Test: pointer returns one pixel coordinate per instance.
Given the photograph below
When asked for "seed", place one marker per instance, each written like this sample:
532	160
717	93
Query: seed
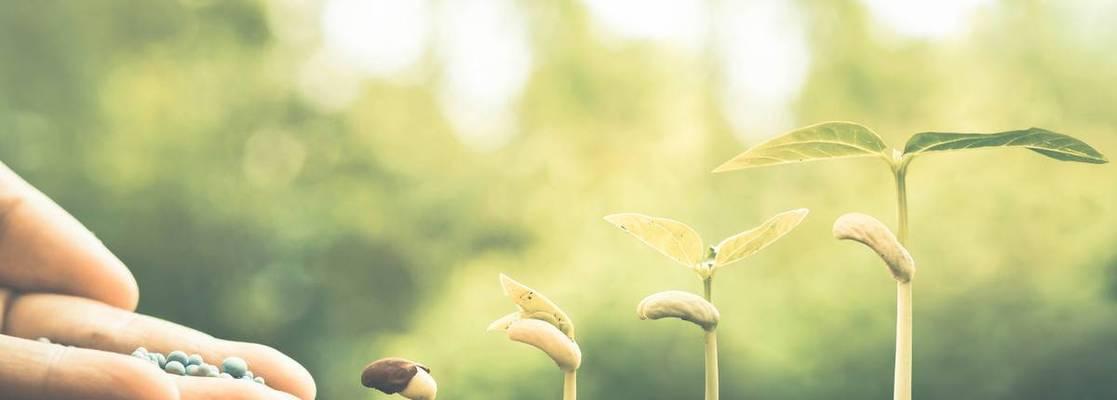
224	375
141	355
249	374
175	367
43	340
195	360
234	366
161	359
193	370
259	379
211	370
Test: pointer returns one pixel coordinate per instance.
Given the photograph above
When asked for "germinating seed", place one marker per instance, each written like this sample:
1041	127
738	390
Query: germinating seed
178	363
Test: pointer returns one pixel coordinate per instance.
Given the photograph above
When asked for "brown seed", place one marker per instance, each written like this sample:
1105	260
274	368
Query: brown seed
390	375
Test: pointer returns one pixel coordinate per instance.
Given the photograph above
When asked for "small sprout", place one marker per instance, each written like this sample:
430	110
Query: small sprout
871	232
682	305
397	375
175	367
234	366
542	324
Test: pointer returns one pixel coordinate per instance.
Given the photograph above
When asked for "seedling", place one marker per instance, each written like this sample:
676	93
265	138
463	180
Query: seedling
872	233
397	375
847	139
540	323
681	243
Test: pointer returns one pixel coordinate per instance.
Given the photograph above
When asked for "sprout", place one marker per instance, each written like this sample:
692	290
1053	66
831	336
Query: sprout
540	323
682	244
397	375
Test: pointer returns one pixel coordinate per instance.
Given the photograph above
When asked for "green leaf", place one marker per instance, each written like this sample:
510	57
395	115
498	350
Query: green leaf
672	238
816	142
1042	141
744	244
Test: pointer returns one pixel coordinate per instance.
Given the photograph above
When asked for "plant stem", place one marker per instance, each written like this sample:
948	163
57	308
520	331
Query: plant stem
901	386
570	385
711	351
712	364
902	383
901	172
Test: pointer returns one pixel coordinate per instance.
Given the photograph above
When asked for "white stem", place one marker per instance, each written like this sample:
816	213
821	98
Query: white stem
902	384
570	385
712	365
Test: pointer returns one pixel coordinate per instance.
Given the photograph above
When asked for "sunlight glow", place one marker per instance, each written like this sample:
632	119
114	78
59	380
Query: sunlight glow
486	57
676	22
925	19
380	37
764	58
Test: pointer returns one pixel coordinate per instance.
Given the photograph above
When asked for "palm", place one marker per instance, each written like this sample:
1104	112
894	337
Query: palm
58	281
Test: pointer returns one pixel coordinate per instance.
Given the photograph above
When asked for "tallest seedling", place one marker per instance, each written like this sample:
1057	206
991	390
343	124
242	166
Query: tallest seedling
846	139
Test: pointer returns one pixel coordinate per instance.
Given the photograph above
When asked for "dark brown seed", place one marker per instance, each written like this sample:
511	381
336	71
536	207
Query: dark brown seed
390	375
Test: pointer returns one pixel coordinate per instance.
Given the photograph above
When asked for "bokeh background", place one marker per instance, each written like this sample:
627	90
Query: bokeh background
344	179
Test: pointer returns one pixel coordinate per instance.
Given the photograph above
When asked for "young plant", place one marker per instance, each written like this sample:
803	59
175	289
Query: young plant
540	323
679	242
847	139
872	233
397	375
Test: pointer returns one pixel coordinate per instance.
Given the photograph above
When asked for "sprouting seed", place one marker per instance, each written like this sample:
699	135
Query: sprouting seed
234	366
175	367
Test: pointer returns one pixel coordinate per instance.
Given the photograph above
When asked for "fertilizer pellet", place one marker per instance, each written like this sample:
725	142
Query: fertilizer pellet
178	363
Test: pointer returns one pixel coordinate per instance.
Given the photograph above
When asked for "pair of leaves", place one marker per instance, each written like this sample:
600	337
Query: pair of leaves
681	243
848	139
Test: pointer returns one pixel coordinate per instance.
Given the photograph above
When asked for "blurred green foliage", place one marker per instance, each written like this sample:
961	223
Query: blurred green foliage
173	130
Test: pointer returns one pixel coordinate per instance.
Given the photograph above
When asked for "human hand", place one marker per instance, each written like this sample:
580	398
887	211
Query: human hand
58	281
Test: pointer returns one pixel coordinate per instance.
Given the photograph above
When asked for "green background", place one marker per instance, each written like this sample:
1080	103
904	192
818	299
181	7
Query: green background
372	231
